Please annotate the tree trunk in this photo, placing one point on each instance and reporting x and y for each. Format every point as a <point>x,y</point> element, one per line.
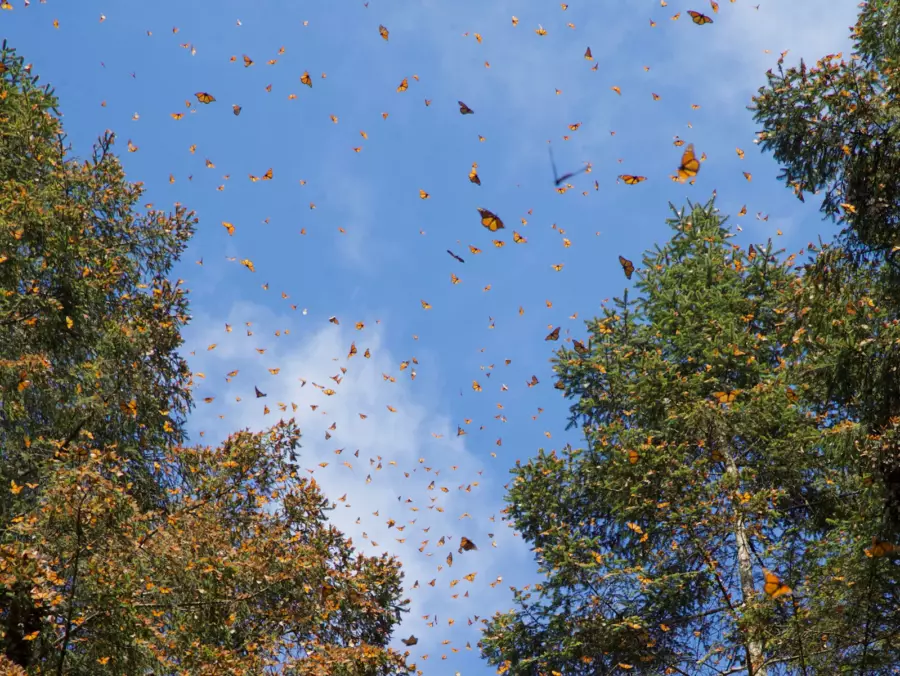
<point>753,647</point>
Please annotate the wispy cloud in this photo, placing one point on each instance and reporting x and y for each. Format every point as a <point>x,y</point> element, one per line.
<point>411,468</point>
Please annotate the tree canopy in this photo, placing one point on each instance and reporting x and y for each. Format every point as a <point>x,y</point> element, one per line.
<point>122,550</point>
<point>721,518</point>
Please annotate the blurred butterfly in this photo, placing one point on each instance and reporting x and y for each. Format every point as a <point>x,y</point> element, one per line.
<point>306,79</point>
<point>879,548</point>
<point>553,335</point>
<point>403,85</point>
<point>383,32</point>
<point>455,256</point>
<point>490,220</point>
<point>588,55</point>
<point>258,393</point>
<point>689,166</point>
<point>464,109</point>
<point>627,266</point>
<point>203,97</point>
<point>579,347</point>
<point>247,61</point>
<point>726,397</point>
<point>698,18</point>
<point>773,586</point>
<point>465,544</point>
<point>632,180</point>
<point>557,179</point>
<point>411,641</point>
<point>236,109</point>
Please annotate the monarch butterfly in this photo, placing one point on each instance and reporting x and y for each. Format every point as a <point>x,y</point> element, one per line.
<point>627,266</point>
<point>203,97</point>
<point>740,153</point>
<point>689,166</point>
<point>490,220</point>
<point>553,335</point>
<point>534,381</point>
<point>247,61</point>
<point>403,85</point>
<point>518,239</point>
<point>268,175</point>
<point>411,641</point>
<point>559,385</point>
<point>579,347</point>
<point>259,394</point>
<point>464,109</point>
<point>473,175</point>
<point>879,548</point>
<point>588,55</point>
<point>306,79</point>
<point>177,116</point>
<point>383,32</point>
<point>773,586</point>
<point>426,305</point>
<point>423,195</point>
<point>632,180</point>
<point>698,18</point>
<point>236,109</point>
<point>751,252</point>
<point>747,175</point>
<point>726,397</point>
<point>465,544</point>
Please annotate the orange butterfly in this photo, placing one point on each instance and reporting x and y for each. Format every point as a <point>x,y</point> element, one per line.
<point>726,397</point>
<point>465,544</point>
<point>490,220</point>
<point>879,548</point>
<point>632,180</point>
<point>627,266</point>
<point>236,109</point>
<point>306,79</point>
<point>689,166</point>
<point>203,97</point>
<point>773,586</point>
<point>553,335</point>
<point>698,18</point>
<point>403,85</point>
<point>464,109</point>
<point>383,32</point>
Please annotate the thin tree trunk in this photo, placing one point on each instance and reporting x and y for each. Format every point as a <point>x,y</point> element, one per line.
<point>753,647</point>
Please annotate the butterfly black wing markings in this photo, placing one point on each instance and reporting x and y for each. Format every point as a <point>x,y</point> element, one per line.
<point>455,256</point>
<point>557,179</point>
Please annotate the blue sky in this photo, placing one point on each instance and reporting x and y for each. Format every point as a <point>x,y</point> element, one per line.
<point>392,253</point>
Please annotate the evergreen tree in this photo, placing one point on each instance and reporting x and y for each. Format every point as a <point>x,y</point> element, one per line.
<point>720,519</point>
<point>121,551</point>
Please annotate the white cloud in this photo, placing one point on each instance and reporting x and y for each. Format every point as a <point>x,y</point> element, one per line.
<point>401,442</point>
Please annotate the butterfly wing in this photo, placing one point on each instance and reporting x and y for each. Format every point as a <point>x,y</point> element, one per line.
<point>627,266</point>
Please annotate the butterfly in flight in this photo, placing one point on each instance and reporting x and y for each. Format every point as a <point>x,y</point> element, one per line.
<point>627,266</point>
<point>455,256</point>
<point>411,641</point>
<point>773,585</point>
<point>464,109</point>
<point>557,179</point>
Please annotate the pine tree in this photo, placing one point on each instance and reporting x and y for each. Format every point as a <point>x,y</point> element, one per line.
<point>718,519</point>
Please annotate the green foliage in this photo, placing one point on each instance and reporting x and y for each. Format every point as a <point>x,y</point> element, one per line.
<point>122,551</point>
<point>710,457</point>
<point>239,573</point>
<point>834,127</point>
<point>90,323</point>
